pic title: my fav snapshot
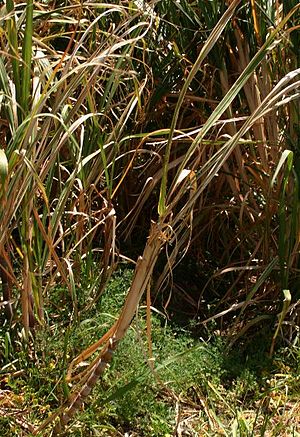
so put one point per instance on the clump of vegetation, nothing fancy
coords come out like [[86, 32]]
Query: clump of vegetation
[[165, 136]]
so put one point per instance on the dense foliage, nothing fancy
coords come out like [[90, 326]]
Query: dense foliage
[[167, 130]]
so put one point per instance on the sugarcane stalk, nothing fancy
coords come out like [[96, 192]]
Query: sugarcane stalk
[[143, 271]]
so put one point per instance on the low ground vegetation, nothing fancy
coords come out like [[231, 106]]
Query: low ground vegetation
[[195, 387]]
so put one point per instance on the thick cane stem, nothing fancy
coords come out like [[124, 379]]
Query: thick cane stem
[[80, 397], [143, 272]]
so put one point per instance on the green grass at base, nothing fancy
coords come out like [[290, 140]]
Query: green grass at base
[[197, 386]]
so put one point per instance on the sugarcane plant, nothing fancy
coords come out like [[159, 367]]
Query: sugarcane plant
[[81, 105], [173, 226]]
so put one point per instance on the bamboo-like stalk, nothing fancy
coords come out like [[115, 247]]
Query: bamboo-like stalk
[[142, 275], [79, 398]]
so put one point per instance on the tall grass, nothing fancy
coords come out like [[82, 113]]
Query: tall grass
[[190, 110], [68, 104]]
